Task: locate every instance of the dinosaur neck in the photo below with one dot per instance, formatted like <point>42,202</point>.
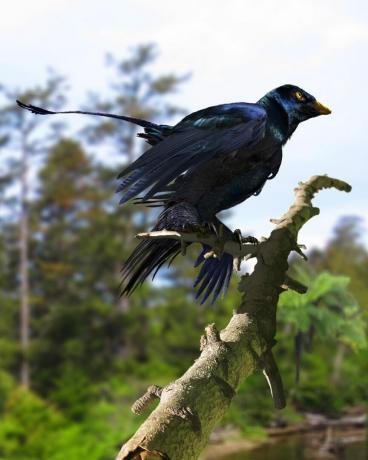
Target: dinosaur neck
<point>278,121</point>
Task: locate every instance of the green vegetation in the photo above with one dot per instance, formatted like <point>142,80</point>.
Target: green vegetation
<point>92,353</point>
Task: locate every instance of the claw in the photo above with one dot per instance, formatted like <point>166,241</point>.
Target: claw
<point>237,263</point>
<point>241,240</point>
<point>188,228</point>
<point>213,227</point>
<point>204,229</point>
<point>238,236</point>
<point>219,248</point>
<point>250,239</point>
<point>298,248</point>
<point>183,247</point>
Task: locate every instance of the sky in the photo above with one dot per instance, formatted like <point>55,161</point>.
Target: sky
<point>235,51</point>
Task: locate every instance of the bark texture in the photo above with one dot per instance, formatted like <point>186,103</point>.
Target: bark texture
<point>190,407</point>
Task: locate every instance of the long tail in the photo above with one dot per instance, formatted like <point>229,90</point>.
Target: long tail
<point>137,121</point>
<point>153,133</point>
<point>149,256</point>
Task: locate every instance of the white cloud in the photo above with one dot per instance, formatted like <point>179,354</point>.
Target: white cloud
<point>19,14</point>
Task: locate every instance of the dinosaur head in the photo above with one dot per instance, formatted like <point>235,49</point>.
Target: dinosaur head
<point>297,103</point>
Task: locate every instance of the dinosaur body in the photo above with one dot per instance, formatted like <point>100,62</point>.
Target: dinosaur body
<point>211,160</point>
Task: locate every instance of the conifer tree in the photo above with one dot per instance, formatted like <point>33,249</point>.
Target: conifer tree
<point>21,143</point>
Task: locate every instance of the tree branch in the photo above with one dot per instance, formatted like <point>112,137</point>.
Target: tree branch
<point>230,246</point>
<point>190,407</point>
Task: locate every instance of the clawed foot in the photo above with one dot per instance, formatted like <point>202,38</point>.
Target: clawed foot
<point>242,240</point>
<point>250,239</point>
<point>217,250</point>
<point>209,227</point>
<point>202,229</point>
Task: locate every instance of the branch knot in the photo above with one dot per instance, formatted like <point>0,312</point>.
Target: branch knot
<point>153,392</point>
<point>211,337</point>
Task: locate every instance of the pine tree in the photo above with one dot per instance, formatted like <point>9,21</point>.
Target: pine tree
<point>136,92</point>
<point>21,143</point>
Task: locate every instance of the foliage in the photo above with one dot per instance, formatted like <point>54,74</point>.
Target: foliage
<point>328,307</point>
<point>33,429</point>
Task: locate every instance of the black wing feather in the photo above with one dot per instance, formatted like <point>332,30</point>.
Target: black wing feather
<point>195,140</point>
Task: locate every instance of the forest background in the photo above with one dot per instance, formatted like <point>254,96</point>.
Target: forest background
<point>73,354</point>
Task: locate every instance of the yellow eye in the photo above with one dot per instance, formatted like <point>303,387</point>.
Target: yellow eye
<point>299,96</point>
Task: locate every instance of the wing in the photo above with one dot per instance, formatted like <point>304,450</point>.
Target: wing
<point>201,136</point>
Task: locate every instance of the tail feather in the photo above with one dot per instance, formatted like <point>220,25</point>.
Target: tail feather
<point>208,281</point>
<point>214,275</point>
<point>154,135</point>
<point>211,285</point>
<point>220,280</point>
<point>150,255</point>
<point>136,121</point>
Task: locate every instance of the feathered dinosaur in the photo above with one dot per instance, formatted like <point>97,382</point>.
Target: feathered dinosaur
<point>211,160</point>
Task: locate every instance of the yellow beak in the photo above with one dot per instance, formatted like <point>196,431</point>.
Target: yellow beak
<point>320,108</point>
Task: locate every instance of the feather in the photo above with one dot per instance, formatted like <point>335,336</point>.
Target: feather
<point>214,275</point>
<point>189,145</point>
<point>41,111</point>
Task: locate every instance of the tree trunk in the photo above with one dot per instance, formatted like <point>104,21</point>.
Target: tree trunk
<point>337,363</point>
<point>24,281</point>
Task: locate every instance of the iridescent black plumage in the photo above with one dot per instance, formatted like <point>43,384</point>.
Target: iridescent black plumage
<point>212,160</point>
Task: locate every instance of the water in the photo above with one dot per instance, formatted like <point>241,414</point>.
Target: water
<point>302,448</point>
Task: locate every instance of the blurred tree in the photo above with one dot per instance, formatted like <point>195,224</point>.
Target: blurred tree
<point>346,254</point>
<point>79,240</point>
<point>327,310</point>
<point>33,429</point>
<point>329,318</point>
<point>136,92</point>
<point>19,133</point>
